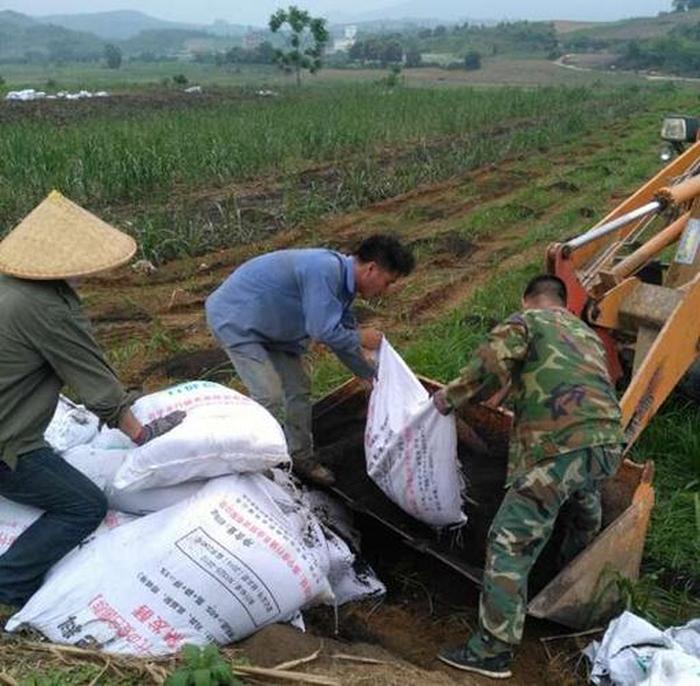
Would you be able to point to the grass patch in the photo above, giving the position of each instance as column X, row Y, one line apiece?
column 673, row 442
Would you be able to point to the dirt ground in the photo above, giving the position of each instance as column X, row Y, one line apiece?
column 427, row 607
column 122, row 105
column 164, row 309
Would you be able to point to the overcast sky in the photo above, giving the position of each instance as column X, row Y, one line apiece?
column 242, row 12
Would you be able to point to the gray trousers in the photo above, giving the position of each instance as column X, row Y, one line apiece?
column 280, row 383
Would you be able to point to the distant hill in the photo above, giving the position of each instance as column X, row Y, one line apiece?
column 640, row 28
column 22, row 38
column 123, row 25
column 565, row 26
column 11, row 18
column 36, row 40
column 162, row 41
column 503, row 10
column 117, row 25
column 520, row 38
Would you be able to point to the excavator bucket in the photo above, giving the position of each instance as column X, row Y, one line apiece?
column 579, row 595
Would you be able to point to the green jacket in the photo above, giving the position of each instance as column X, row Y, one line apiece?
column 561, row 392
column 46, row 343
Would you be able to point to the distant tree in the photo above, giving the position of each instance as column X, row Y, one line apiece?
column 685, row 5
column 180, row 80
column 113, row 56
column 357, row 51
column 307, row 37
column 634, row 51
column 265, row 53
column 472, row 61
column 392, row 52
column 413, row 57
column 439, row 31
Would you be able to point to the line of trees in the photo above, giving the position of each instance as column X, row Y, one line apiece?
column 685, row 5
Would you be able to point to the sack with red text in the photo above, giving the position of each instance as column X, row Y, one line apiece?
column 410, row 448
column 15, row 518
column 224, row 432
column 233, row 558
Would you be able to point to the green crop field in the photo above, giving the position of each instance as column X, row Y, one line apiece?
column 128, row 160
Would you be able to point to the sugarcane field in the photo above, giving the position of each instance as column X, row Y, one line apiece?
column 349, row 345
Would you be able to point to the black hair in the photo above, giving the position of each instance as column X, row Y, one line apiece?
column 388, row 252
column 547, row 285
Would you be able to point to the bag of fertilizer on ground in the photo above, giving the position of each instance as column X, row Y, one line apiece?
column 101, row 466
column 215, row 568
column 224, row 432
column 410, row 448
column 151, row 499
column 350, row 577
column 70, row 425
column 98, row 465
column 15, row 518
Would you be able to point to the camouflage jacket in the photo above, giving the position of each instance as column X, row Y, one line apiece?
column 561, row 392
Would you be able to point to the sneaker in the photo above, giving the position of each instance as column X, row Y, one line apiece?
column 314, row 472
column 497, row 667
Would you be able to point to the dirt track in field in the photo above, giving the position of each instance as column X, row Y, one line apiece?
column 164, row 309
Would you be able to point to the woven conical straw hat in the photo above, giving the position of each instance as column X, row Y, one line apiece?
column 59, row 240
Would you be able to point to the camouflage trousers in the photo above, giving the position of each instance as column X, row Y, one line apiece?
column 521, row 528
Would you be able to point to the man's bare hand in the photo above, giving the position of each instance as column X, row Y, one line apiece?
column 371, row 338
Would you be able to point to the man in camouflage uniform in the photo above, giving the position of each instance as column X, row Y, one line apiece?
column 566, row 439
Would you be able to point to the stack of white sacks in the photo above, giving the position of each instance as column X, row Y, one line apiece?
column 208, row 540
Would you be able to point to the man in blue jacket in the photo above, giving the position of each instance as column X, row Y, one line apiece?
column 268, row 310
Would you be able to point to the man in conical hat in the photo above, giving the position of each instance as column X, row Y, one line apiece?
column 46, row 343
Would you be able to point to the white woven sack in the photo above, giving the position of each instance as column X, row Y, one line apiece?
column 224, row 432
column 151, row 499
column 410, row 448
column 71, row 425
column 350, row 578
column 15, row 518
column 111, row 439
column 215, row 568
column 101, row 466
column 98, row 465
